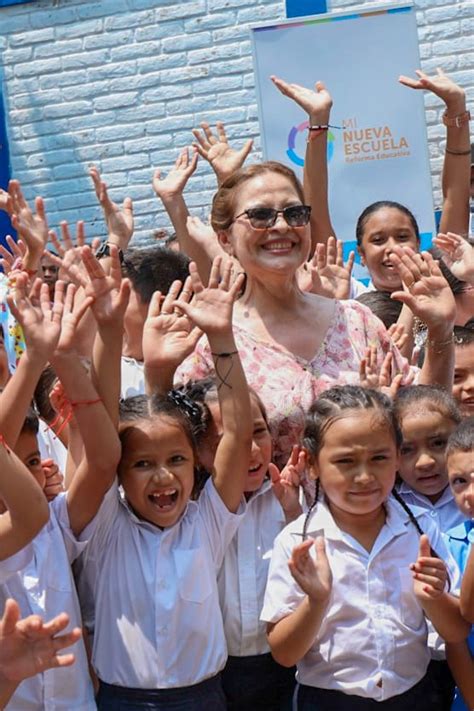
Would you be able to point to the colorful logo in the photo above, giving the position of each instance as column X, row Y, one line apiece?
column 292, row 136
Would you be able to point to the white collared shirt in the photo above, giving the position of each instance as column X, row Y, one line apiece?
column 243, row 576
column 444, row 512
column 157, row 618
column 373, row 638
column 42, row 584
column 132, row 377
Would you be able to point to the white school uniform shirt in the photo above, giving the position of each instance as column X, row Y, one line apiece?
column 444, row 512
column 243, row 576
column 157, row 618
column 373, row 638
column 132, row 377
column 39, row 578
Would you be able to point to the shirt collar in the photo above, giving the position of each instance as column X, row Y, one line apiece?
column 445, row 498
column 322, row 521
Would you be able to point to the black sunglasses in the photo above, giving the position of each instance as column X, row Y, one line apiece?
column 262, row 218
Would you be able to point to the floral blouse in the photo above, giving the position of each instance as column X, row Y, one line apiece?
column 288, row 384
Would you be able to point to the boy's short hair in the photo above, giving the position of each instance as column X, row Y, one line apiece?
column 384, row 307
column 463, row 336
column 154, row 269
column 31, row 422
column 462, row 438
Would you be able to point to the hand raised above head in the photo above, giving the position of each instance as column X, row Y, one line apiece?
column 458, row 255
column 427, row 293
column 39, row 319
column 119, row 220
column 440, row 84
column 315, row 102
column 216, row 149
column 169, row 335
column 173, row 184
column 212, row 306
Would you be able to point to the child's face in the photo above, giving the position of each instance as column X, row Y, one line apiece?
column 157, row 470
column 4, row 369
column 461, row 480
column 26, row 449
column 463, row 388
column 422, row 462
column 261, row 454
column 357, row 462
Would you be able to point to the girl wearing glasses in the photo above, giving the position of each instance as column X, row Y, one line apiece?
column 294, row 344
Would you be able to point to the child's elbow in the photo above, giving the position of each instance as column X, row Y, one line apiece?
column 467, row 610
column 458, row 633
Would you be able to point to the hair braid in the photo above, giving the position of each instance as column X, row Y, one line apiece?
column 310, row 510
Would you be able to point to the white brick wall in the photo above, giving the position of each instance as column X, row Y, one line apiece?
column 120, row 83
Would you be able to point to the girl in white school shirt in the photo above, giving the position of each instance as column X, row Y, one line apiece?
column 153, row 560
column 251, row 679
column 348, row 604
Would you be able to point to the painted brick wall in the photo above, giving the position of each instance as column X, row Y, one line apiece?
column 120, row 83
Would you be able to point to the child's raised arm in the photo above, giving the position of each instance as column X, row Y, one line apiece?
column 96, row 472
column 211, row 310
column 41, row 323
column 27, row 508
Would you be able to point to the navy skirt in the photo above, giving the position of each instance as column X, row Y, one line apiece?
column 206, row 696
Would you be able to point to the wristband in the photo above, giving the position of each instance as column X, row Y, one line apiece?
column 104, row 251
column 456, row 121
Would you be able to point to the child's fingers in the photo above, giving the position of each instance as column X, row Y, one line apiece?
column 424, row 549
column 154, row 308
column 196, row 282
column 274, row 472
column 431, row 580
column 11, row 615
column 215, row 274
column 170, row 298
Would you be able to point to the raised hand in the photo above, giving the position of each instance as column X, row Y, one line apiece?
column 30, row 646
column 174, row 182
column 109, row 292
column 73, row 311
column 316, row 103
column 458, row 255
column 215, row 148
column 16, row 254
column 119, row 221
column 211, row 308
column 312, row 575
column 68, row 251
column 429, row 573
column 327, row 274
column 32, row 227
column 398, row 334
column 381, row 379
column 286, row 484
column 440, row 84
column 169, row 336
column 427, row 293
column 39, row 319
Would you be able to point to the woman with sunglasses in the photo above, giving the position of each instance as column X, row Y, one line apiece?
column 295, row 344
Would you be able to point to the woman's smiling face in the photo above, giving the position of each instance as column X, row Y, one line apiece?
column 279, row 249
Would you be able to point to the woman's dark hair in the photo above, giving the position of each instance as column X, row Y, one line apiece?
column 382, row 305
column 380, row 205
column 329, row 407
column 439, row 399
column 462, row 438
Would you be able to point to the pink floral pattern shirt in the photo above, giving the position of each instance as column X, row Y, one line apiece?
column 288, row 384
